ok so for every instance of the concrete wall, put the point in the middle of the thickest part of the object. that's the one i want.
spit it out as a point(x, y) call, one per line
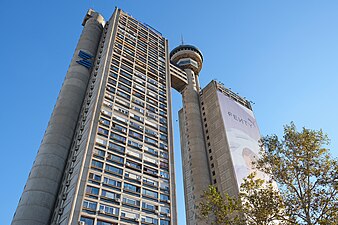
point(195, 161)
point(36, 205)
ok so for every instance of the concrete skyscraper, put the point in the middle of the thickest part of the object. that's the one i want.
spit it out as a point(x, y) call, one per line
point(107, 155)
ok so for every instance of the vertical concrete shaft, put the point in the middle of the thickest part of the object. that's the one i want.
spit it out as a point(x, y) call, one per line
point(199, 168)
point(37, 202)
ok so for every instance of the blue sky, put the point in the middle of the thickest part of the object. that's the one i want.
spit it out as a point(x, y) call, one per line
point(282, 55)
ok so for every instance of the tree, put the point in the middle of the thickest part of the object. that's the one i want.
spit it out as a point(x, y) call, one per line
point(218, 210)
point(305, 173)
point(258, 203)
point(307, 179)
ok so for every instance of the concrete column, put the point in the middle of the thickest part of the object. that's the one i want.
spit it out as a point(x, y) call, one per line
point(36, 205)
point(197, 154)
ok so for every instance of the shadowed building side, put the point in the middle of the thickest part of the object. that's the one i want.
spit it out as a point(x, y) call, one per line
point(37, 202)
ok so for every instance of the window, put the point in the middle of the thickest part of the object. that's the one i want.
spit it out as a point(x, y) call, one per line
point(148, 206)
point(110, 195)
point(150, 220)
point(164, 174)
point(114, 169)
point(130, 201)
point(163, 146)
point(164, 155)
point(130, 187)
point(163, 137)
point(136, 117)
point(150, 171)
point(117, 137)
point(163, 120)
point(87, 221)
point(164, 197)
point(134, 144)
point(164, 209)
point(109, 210)
point(101, 142)
point(92, 190)
point(149, 193)
point(89, 205)
point(135, 135)
point(104, 122)
point(94, 177)
point(104, 223)
point(151, 151)
point(150, 181)
point(115, 158)
point(151, 132)
point(165, 222)
point(116, 147)
point(136, 126)
point(125, 88)
point(111, 182)
point(99, 153)
point(122, 94)
point(150, 141)
point(134, 165)
point(97, 164)
point(119, 128)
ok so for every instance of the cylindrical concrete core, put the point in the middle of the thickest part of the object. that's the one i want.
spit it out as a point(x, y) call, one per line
point(199, 167)
point(190, 59)
point(37, 202)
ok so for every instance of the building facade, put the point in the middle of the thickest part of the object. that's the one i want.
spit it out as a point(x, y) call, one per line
point(107, 155)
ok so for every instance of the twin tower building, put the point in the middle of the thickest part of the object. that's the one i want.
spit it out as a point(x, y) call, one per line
point(107, 155)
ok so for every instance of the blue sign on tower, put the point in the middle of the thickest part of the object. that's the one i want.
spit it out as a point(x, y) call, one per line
point(86, 59)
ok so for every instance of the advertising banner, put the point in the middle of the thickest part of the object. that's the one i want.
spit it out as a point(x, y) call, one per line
point(242, 134)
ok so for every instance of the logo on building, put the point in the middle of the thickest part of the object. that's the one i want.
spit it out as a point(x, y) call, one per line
point(86, 59)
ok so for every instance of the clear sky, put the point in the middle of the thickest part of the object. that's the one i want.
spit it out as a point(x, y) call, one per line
point(282, 55)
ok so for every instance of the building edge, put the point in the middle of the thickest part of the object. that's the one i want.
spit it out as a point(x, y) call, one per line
point(37, 201)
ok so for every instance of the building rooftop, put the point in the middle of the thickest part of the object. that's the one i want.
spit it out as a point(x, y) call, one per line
point(186, 47)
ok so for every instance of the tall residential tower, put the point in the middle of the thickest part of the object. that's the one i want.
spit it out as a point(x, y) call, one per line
point(107, 155)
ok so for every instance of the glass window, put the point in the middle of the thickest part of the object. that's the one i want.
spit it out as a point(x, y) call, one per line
point(116, 147)
point(134, 144)
point(92, 190)
point(165, 222)
point(103, 223)
point(134, 165)
point(93, 176)
point(89, 205)
point(150, 141)
point(118, 138)
point(111, 182)
point(97, 164)
point(164, 197)
point(131, 201)
point(149, 193)
point(104, 122)
point(148, 206)
point(109, 209)
point(131, 187)
point(87, 221)
point(98, 152)
point(115, 158)
point(114, 169)
point(135, 135)
point(108, 194)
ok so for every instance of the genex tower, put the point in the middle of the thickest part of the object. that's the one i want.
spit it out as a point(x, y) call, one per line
point(107, 155)
point(195, 162)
